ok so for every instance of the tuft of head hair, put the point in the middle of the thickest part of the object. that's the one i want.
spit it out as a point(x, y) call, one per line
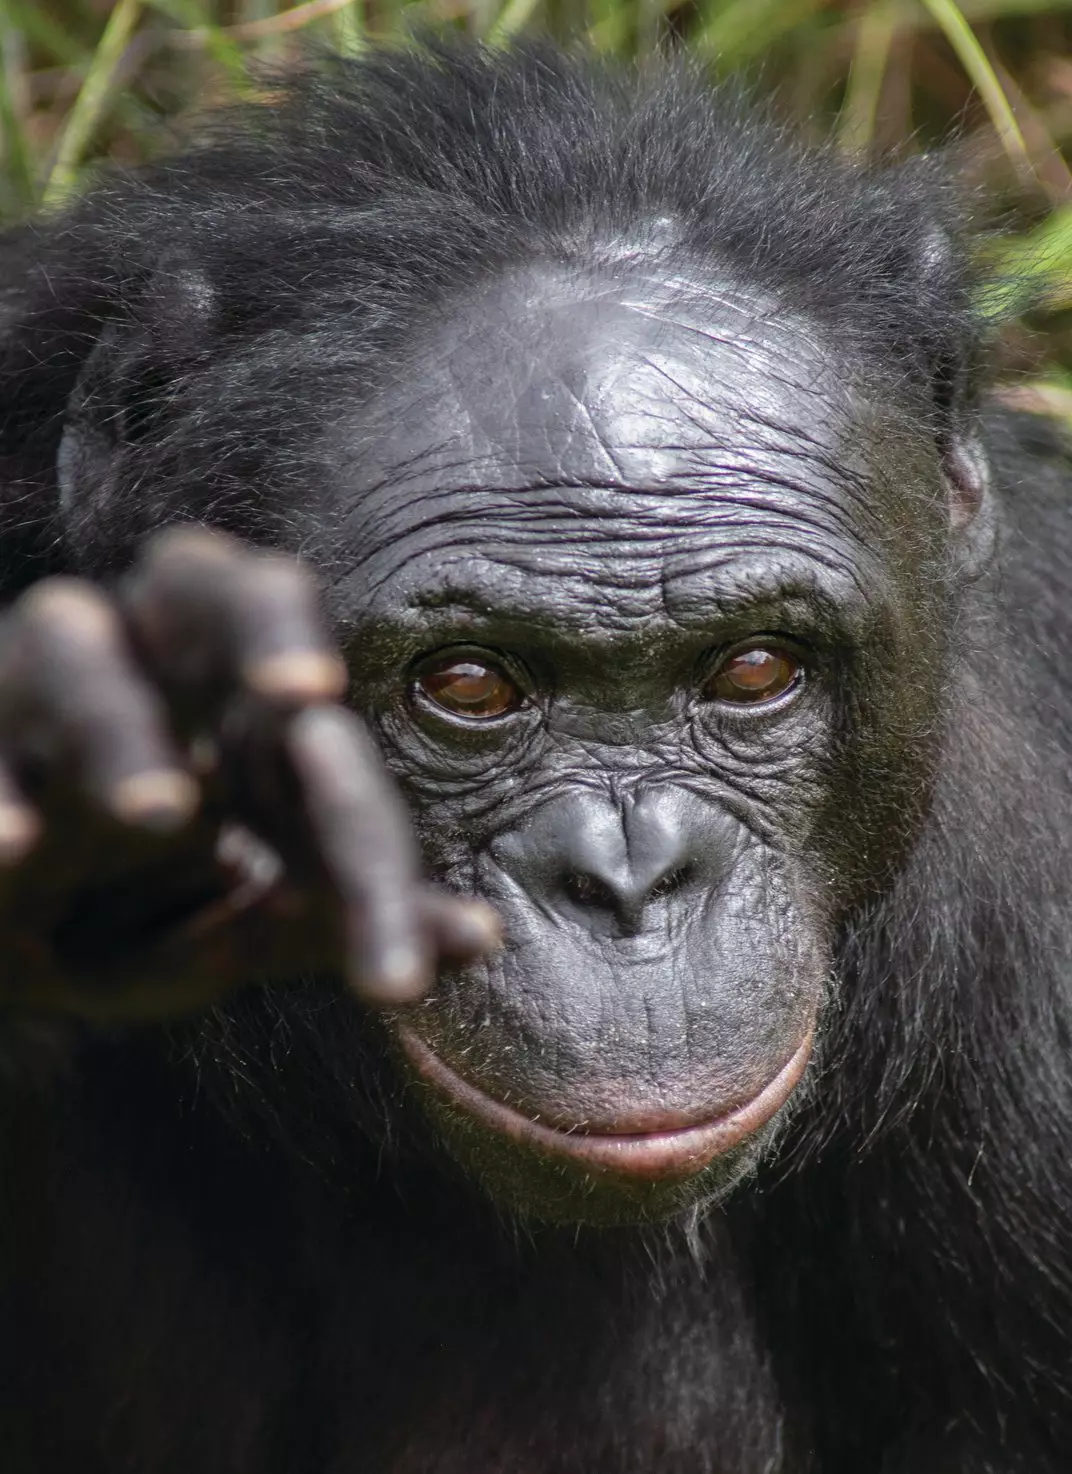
point(194, 314)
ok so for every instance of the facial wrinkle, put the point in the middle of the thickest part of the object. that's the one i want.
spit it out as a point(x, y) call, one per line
point(739, 470)
point(619, 476)
point(677, 582)
point(719, 512)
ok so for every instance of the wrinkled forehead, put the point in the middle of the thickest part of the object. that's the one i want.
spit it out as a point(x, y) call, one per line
point(603, 416)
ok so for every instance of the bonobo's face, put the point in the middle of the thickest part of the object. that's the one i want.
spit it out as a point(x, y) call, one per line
point(624, 607)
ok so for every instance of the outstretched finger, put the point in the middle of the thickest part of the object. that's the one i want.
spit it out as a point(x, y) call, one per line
point(211, 615)
point(78, 707)
point(367, 851)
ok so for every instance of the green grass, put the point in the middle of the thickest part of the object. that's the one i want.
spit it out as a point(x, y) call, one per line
point(80, 82)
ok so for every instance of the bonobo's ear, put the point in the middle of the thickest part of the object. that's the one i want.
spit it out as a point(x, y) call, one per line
point(88, 344)
point(94, 433)
point(52, 305)
point(121, 390)
point(971, 502)
point(953, 354)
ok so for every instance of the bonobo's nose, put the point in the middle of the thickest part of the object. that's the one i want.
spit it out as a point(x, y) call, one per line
point(605, 861)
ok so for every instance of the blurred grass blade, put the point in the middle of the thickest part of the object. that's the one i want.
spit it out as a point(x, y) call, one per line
point(348, 28)
point(342, 14)
point(875, 31)
point(41, 31)
point(17, 170)
point(197, 20)
point(1056, 236)
point(950, 19)
point(93, 100)
point(736, 33)
point(1033, 270)
point(513, 17)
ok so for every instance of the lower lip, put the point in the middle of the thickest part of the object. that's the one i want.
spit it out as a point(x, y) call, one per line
point(650, 1155)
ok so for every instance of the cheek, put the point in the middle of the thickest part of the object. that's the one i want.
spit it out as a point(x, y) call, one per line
point(450, 767)
point(877, 784)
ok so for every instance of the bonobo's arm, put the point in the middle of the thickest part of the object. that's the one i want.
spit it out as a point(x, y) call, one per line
point(184, 807)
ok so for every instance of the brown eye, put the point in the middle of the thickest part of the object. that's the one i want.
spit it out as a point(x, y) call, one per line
point(754, 675)
point(468, 688)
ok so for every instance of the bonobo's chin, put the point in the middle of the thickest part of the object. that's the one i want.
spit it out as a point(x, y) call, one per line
point(564, 1173)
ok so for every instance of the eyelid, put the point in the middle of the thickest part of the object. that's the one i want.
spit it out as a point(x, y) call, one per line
point(508, 665)
point(767, 639)
point(770, 641)
point(494, 661)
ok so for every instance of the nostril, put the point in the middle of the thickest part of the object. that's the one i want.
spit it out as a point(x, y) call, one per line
point(589, 890)
point(673, 880)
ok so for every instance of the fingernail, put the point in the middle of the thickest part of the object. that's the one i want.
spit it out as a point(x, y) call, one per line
point(19, 829)
point(467, 929)
point(399, 975)
point(297, 675)
point(482, 923)
point(161, 800)
point(73, 607)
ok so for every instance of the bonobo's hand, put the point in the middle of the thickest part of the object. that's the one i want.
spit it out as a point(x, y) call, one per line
point(183, 806)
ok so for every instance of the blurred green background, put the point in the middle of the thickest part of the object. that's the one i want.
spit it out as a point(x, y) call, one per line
point(84, 80)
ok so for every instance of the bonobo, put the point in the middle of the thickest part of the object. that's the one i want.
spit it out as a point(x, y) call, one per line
point(536, 817)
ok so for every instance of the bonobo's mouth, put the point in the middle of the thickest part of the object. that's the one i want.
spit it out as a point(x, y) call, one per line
point(671, 1151)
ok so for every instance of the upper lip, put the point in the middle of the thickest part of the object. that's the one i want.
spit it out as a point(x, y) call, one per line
point(675, 1152)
